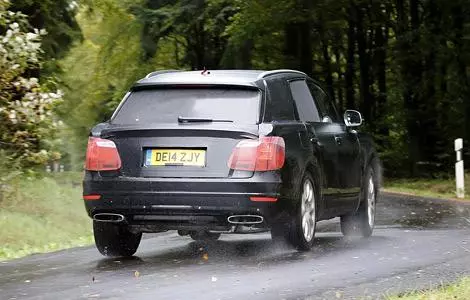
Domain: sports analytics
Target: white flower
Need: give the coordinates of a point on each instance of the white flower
(31, 36)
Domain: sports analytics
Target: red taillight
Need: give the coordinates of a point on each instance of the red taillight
(102, 155)
(265, 154)
(91, 197)
(263, 199)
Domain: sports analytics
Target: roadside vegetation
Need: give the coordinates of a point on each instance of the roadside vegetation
(460, 290)
(438, 188)
(41, 214)
(65, 65)
(38, 212)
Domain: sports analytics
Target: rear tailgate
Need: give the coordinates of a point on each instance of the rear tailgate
(153, 142)
(216, 141)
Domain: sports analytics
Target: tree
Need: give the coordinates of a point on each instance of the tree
(26, 106)
(57, 18)
(403, 63)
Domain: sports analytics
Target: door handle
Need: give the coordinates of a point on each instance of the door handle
(338, 140)
(314, 140)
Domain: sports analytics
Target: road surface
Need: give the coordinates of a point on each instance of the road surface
(417, 244)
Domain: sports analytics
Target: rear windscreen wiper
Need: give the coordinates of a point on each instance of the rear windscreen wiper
(201, 120)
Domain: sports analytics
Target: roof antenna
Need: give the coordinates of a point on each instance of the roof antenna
(204, 72)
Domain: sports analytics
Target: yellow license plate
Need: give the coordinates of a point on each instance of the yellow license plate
(175, 157)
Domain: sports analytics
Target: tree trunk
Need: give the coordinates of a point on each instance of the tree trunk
(327, 63)
(339, 85)
(298, 41)
(364, 88)
(430, 131)
(244, 55)
(413, 80)
(381, 45)
(459, 18)
(410, 67)
(298, 47)
(350, 69)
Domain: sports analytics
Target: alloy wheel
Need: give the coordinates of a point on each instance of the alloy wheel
(308, 210)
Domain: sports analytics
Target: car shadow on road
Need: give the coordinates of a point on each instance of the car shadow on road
(234, 253)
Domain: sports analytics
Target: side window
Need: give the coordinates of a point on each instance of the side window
(279, 106)
(306, 106)
(326, 106)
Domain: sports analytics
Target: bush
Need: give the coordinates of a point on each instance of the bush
(39, 214)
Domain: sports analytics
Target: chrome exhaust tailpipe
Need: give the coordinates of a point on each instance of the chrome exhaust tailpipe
(245, 219)
(108, 217)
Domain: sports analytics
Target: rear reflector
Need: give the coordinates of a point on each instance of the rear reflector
(265, 154)
(91, 197)
(102, 155)
(263, 199)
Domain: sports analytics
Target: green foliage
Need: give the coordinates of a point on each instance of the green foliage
(57, 18)
(41, 215)
(404, 64)
(26, 106)
(459, 290)
(196, 26)
(98, 71)
(443, 187)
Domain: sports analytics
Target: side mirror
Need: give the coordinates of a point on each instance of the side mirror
(352, 118)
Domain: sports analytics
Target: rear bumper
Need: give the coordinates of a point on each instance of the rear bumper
(173, 203)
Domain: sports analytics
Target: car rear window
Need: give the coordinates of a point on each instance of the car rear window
(166, 105)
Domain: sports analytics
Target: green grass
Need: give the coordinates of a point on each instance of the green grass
(41, 215)
(460, 290)
(439, 188)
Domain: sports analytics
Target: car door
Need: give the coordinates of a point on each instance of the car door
(280, 119)
(349, 164)
(324, 145)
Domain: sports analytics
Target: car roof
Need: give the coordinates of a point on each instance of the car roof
(223, 77)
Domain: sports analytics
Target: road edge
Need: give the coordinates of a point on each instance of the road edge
(411, 196)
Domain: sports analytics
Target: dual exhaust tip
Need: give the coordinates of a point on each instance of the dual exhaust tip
(245, 219)
(235, 219)
(109, 217)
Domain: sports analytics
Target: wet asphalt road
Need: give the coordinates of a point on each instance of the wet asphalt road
(417, 244)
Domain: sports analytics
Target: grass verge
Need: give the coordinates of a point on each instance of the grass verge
(437, 188)
(460, 290)
(41, 215)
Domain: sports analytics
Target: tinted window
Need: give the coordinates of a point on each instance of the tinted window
(166, 105)
(280, 106)
(325, 105)
(306, 107)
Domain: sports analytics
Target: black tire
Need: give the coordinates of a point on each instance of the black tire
(294, 232)
(115, 240)
(362, 222)
(204, 236)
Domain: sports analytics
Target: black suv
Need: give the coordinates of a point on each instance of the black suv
(232, 151)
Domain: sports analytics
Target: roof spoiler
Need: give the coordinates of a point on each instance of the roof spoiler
(156, 73)
(274, 72)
